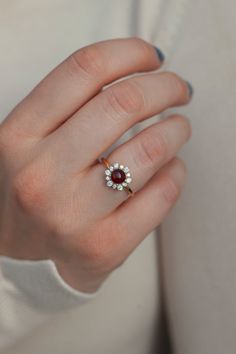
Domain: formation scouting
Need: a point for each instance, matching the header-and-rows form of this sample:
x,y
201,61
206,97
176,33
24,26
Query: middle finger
x,y
108,115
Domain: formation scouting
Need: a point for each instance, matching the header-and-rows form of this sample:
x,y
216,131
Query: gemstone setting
x,y
117,176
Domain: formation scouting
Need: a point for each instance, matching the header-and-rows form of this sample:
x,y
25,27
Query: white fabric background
x,y
199,237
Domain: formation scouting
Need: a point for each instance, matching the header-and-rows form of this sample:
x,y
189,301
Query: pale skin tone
x,y
54,201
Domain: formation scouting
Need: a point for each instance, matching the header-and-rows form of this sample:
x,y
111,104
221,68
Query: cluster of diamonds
x,y
117,176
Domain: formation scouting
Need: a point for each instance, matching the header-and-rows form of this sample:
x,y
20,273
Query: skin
x,y
54,202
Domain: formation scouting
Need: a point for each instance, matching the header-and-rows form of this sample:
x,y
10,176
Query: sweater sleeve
x,y
30,293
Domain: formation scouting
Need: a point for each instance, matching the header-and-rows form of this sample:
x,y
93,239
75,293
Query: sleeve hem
x,y
41,284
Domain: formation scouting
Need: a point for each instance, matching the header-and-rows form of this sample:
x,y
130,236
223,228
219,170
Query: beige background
x,y
199,238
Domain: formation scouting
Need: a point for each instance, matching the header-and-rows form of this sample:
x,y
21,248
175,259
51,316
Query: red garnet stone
x,y
118,176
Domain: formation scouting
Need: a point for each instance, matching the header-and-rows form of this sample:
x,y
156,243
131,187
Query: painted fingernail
x,y
160,54
190,89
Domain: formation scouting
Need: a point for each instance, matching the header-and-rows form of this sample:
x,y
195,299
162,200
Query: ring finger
x,y
144,155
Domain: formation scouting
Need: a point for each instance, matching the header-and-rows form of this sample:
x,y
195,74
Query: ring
x,y
117,176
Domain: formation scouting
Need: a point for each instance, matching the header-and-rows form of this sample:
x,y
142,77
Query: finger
x,y
144,154
139,215
112,112
77,79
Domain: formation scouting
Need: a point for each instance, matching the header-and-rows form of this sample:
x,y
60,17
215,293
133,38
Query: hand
x,y
54,201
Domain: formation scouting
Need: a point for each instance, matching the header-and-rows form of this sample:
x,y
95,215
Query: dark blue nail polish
x,y
160,54
190,89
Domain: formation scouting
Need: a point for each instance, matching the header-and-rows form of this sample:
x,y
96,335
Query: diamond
x,y
124,184
116,165
108,172
109,183
114,186
128,180
120,187
126,169
121,167
111,168
108,178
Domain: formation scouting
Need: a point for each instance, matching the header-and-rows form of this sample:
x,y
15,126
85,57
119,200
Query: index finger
x,y
83,74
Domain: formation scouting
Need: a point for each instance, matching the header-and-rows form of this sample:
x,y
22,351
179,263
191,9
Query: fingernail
x,y
190,89
160,54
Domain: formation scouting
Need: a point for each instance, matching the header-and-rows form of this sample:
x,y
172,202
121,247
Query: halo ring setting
x,y
117,176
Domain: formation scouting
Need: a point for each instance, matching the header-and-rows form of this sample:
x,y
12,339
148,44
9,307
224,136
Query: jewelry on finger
x,y
117,176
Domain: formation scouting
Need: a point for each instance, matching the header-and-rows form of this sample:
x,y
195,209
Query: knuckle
x,y
29,188
89,60
152,148
178,87
124,98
